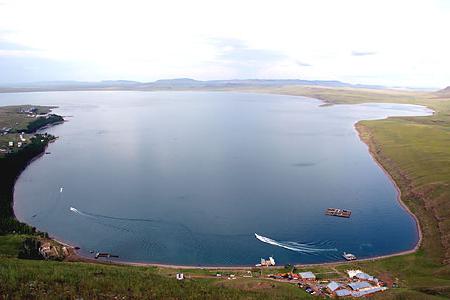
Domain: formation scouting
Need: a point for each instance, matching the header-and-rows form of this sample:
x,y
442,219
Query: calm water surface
x,y
190,177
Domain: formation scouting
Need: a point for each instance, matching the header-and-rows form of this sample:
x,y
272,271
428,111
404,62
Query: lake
x,y
190,177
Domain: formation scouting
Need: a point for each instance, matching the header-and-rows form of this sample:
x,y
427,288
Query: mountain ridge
x,y
175,83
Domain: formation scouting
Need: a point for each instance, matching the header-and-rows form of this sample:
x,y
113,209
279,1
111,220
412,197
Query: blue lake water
x,y
190,177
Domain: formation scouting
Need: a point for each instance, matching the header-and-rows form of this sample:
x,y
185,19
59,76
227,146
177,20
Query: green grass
x,y
10,244
10,116
45,279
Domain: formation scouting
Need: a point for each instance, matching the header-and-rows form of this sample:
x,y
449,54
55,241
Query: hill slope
x,y
444,92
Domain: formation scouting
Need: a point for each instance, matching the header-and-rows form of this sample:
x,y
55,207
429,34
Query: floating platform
x,y
337,212
104,254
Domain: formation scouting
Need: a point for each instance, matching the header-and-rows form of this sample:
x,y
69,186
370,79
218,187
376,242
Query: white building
x,y
266,263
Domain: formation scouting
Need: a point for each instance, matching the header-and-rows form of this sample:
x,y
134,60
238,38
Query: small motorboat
x,y
349,256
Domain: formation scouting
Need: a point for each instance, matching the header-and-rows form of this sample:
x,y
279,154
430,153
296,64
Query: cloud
x,y
10,49
303,64
244,61
234,50
363,53
153,40
8,46
15,69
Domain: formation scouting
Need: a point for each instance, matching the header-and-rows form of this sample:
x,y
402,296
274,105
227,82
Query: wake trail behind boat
x,y
307,248
73,209
134,227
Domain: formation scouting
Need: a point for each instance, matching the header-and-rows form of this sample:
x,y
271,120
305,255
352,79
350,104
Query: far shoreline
x,y
77,257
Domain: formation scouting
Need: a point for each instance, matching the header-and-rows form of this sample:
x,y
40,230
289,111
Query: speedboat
x,y
349,256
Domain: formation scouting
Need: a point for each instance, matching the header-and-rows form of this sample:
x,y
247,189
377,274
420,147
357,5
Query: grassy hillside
x,y
22,279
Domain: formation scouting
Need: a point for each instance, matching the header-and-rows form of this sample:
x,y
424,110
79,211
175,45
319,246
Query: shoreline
x,y
358,127
370,145
13,164
77,257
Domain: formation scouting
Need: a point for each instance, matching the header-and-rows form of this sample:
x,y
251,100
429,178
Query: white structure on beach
x,y
360,275
266,262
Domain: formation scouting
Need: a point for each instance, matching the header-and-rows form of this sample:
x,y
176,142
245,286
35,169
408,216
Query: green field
x,y
414,150
9,116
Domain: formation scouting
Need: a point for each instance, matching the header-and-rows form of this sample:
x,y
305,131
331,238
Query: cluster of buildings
x,y
15,141
48,251
21,142
360,284
31,111
357,284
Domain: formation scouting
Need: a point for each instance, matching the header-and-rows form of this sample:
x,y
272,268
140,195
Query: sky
x,y
383,42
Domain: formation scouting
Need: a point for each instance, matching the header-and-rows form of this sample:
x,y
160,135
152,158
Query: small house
x,y
359,285
333,286
368,291
307,276
364,276
358,274
343,293
352,273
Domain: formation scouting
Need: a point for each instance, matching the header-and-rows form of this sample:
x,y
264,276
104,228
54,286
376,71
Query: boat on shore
x,y
349,256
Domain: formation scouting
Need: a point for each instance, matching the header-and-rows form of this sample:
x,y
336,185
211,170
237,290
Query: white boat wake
x,y
90,215
73,209
307,248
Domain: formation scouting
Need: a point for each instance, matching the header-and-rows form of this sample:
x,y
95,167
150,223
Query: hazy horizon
x,y
387,43
173,81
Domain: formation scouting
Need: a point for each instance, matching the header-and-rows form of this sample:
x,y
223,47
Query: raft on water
x,y
337,212
104,254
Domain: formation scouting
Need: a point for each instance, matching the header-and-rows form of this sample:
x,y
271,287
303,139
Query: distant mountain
x,y
444,92
177,82
172,84
120,82
187,82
